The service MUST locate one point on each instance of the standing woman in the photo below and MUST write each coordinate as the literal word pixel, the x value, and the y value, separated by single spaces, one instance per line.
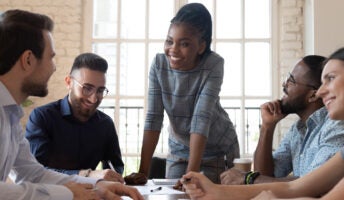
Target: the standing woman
pixel 185 82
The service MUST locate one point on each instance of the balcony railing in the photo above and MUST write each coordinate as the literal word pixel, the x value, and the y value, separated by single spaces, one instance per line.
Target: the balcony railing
pixel 131 122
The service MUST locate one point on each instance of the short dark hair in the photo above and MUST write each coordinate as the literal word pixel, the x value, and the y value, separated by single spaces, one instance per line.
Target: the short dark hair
pixel 197 16
pixel 20 31
pixel 90 61
pixel 316 64
pixel 338 55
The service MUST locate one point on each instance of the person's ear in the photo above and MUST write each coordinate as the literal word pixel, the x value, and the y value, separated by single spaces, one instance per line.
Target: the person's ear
pixel 27 60
pixel 314 97
pixel 68 81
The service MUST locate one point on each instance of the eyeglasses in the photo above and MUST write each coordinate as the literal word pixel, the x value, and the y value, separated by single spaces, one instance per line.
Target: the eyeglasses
pixel 88 90
pixel 290 80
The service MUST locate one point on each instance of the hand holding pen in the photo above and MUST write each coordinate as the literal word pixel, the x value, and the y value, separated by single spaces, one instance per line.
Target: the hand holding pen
pixel 199 186
pixel 112 174
pixel 111 166
pixel 182 181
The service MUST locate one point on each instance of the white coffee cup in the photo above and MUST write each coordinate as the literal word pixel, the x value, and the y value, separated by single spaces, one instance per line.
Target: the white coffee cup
pixel 243 164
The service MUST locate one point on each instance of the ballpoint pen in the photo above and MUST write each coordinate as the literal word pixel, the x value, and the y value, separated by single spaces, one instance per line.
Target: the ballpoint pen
pixel 226 162
pixel 156 189
pixel 188 180
pixel 111 166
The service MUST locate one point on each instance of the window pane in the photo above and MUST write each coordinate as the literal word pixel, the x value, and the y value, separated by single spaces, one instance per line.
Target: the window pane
pixel 132 69
pixel 232 107
pixel 105 18
pixel 257 15
pixel 108 52
pixel 228 16
pixel 108 107
pixel 131 125
pixel 162 146
pixel 131 103
pixel 232 79
pixel 160 15
pixel 253 122
pixel 257 69
pixel 133 18
pixel 154 48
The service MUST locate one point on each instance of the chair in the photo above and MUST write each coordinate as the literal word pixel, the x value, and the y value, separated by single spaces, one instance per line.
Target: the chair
pixel 158 168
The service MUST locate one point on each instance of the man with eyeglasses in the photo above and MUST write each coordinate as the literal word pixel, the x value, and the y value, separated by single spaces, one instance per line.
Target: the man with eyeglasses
pixel 70 135
pixel 310 141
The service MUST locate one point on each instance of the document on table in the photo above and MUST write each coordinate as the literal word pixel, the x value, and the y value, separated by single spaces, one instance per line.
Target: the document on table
pixel 152 189
pixel 158 181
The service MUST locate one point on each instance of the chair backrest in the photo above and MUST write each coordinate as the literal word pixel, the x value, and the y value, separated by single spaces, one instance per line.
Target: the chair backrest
pixel 158 168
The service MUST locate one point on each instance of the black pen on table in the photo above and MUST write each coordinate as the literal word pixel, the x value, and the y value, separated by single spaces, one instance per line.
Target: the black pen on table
pixel 111 166
pixel 156 189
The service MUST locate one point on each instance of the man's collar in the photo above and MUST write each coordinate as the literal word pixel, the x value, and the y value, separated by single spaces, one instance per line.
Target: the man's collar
pixel 6 97
pixel 65 107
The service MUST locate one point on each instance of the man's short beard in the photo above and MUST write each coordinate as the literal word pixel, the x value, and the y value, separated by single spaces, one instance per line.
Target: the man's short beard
pixel 287 109
pixel 295 107
pixel 78 111
pixel 34 89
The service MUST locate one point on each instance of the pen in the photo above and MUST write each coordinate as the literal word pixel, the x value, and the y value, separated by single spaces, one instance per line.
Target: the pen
pixel 186 180
pixel 156 189
pixel 225 159
pixel 111 166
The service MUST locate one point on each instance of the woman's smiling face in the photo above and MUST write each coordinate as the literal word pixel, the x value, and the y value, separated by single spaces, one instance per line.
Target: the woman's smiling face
pixel 332 88
pixel 183 47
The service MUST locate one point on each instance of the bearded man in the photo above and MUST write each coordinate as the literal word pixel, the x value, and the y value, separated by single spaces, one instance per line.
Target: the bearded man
pixel 311 140
pixel 71 135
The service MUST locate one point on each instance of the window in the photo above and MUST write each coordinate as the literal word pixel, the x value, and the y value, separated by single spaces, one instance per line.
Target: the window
pixel 129 37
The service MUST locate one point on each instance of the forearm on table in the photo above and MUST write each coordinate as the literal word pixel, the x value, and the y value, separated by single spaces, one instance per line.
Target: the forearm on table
pixel 234 192
pixel 268 179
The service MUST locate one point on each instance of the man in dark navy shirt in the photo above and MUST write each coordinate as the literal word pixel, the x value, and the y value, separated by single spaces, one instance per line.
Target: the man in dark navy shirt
pixel 70 135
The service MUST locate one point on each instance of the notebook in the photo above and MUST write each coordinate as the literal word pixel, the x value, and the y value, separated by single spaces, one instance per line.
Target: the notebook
pixel 158 181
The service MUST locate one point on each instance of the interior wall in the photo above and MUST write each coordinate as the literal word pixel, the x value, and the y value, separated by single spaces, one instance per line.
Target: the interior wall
pixel 323 29
pixel 67 35
pixel 289 50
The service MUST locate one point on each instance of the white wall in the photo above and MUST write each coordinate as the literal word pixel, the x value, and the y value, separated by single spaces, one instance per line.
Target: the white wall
pixel 324 30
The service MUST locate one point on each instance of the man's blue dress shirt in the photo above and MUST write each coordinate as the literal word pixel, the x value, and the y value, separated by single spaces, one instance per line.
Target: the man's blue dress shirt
pixel 305 147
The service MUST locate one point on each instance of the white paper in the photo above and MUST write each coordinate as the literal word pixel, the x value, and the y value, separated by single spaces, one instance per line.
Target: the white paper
pixel 146 189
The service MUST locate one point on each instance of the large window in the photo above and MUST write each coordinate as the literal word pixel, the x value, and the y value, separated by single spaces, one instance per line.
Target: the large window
pixel 128 33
